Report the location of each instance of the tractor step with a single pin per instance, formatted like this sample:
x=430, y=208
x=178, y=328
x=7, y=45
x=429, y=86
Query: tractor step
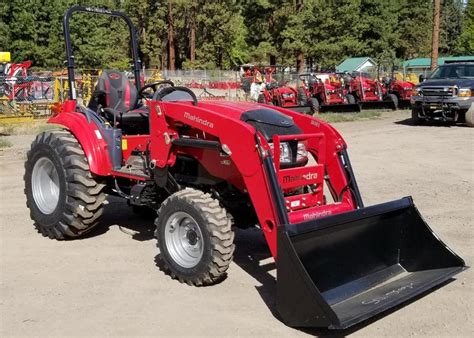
x=130, y=172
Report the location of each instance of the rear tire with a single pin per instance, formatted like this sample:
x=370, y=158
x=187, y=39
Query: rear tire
x=64, y=198
x=195, y=237
x=314, y=103
x=470, y=116
x=394, y=99
x=350, y=99
x=302, y=97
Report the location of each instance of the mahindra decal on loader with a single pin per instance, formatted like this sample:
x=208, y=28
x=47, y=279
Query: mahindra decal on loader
x=338, y=262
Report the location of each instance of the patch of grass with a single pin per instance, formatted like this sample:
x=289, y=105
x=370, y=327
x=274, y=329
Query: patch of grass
x=4, y=143
x=349, y=117
x=25, y=128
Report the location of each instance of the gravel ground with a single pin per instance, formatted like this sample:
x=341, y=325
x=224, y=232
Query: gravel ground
x=109, y=285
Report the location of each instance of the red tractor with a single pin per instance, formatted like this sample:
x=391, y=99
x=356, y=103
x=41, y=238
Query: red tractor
x=206, y=167
x=16, y=84
x=401, y=89
x=369, y=93
x=278, y=93
x=327, y=93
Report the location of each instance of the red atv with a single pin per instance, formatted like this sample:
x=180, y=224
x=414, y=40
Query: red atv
x=279, y=94
x=208, y=167
x=370, y=93
x=327, y=93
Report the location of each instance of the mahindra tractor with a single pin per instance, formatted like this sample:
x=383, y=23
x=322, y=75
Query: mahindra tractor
x=327, y=92
x=370, y=93
x=207, y=167
x=280, y=94
x=14, y=81
x=401, y=89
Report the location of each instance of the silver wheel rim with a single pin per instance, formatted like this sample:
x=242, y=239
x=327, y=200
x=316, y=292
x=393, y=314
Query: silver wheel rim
x=45, y=185
x=183, y=239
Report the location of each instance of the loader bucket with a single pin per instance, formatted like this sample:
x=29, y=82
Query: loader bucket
x=340, y=108
x=378, y=105
x=340, y=270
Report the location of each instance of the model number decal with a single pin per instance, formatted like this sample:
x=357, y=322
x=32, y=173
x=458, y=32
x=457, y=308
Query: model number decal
x=386, y=296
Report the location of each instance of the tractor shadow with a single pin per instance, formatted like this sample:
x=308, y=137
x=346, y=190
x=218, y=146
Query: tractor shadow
x=138, y=225
x=439, y=124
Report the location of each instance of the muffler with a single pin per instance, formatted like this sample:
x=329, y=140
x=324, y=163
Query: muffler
x=340, y=270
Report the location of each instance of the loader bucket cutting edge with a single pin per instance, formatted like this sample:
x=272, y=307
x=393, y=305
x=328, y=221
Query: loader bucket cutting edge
x=340, y=270
x=340, y=108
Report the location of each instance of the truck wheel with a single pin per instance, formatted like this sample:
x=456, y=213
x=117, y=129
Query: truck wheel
x=394, y=99
x=415, y=117
x=195, y=238
x=64, y=198
x=470, y=116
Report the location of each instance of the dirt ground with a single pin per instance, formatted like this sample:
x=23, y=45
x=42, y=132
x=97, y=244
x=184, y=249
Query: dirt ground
x=108, y=284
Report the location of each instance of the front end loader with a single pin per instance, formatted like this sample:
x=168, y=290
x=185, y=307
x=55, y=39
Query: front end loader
x=208, y=166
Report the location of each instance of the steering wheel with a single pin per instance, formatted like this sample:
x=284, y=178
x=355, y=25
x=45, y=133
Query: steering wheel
x=156, y=86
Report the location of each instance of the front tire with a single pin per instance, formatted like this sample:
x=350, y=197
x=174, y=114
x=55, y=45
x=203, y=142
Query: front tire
x=470, y=116
x=415, y=117
x=195, y=238
x=64, y=198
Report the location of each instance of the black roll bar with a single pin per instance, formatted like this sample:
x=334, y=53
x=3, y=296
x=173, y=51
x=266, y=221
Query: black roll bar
x=69, y=51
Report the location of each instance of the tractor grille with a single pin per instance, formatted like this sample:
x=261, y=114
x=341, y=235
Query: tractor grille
x=439, y=91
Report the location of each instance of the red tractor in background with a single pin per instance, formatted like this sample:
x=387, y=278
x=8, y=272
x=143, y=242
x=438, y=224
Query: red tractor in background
x=208, y=167
x=326, y=92
x=370, y=93
x=14, y=81
x=277, y=92
x=401, y=89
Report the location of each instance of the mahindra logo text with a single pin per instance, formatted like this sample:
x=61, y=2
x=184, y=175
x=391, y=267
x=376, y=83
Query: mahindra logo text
x=307, y=177
x=316, y=214
x=199, y=120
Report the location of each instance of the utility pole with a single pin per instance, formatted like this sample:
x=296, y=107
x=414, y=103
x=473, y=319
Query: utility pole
x=171, y=47
x=435, y=37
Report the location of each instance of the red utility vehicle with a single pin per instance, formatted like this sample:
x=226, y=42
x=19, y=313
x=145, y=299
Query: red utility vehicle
x=327, y=92
x=206, y=166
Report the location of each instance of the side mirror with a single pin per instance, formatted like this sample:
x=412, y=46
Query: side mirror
x=421, y=78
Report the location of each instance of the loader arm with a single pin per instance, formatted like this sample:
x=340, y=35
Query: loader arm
x=248, y=151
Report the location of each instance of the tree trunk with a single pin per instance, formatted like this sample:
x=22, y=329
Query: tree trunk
x=171, y=47
x=192, y=38
x=435, y=37
x=273, y=60
x=300, y=54
x=300, y=62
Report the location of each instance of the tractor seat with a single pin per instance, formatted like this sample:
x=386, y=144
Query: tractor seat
x=119, y=101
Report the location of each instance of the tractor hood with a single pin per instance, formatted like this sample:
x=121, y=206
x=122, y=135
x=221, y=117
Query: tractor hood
x=267, y=121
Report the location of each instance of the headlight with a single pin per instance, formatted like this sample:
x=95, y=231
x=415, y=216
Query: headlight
x=285, y=152
x=287, y=156
x=416, y=91
x=302, y=153
x=287, y=95
x=464, y=92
